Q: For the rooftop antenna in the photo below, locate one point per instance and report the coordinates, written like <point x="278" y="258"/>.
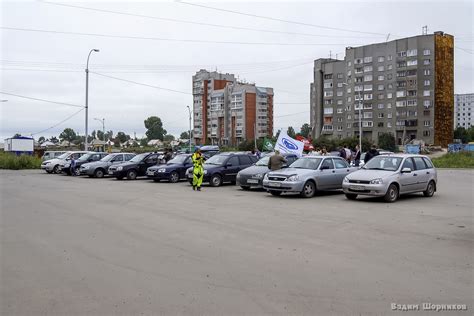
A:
<point x="424" y="30"/>
<point x="330" y="54"/>
<point x="388" y="36"/>
<point x="336" y="56"/>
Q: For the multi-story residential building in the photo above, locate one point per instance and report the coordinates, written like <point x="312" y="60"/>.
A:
<point x="227" y="112"/>
<point x="464" y="110"/>
<point x="403" y="87"/>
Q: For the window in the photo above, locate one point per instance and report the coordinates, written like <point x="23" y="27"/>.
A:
<point x="380" y="97"/>
<point x="413" y="62"/>
<point x="389" y="95"/>
<point x="368" y="59"/>
<point x="349" y="73"/>
<point x="411" y="102"/>
<point x="340" y="164"/>
<point x="389" y="57"/>
<point x="245" y="160"/>
<point x="401" y="93"/>
<point x="426" y="61"/>
<point x="408" y="163"/>
<point x="411" y="72"/>
<point x="339" y="110"/>
<point x="368" y="78"/>
<point x="349" y="99"/>
<point x="380" y="115"/>
<point x="368" y="106"/>
<point x="349" y="117"/>
<point x="328" y="93"/>
<point x="367" y="115"/>
<point x="412" y="93"/>
<point x="349" y="125"/>
<point x="359" y="79"/>
<point x="389" y="124"/>
<point x="328" y="102"/>
<point x="380" y="68"/>
<point x="340" y="76"/>
<point x="327" y="85"/>
<point x="401" y="74"/>
<point x="233" y="161"/>
<point x="426" y="93"/>
<point x="426" y="52"/>
<point x="402" y="54"/>
<point x="327" y="164"/>
<point x="368" y="87"/>
<point x="368" y="96"/>
<point x="412" y="52"/>
<point x="380" y="124"/>
<point x="427" y="103"/>
<point x="339" y="84"/>
<point x="427" y="82"/>
<point x="358" y="61"/>
<point x="380" y="78"/>
<point x="349" y="64"/>
<point x="389" y="77"/>
<point x="367" y="124"/>
<point x="389" y="115"/>
<point x="359" y="88"/>
<point x="380" y="106"/>
<point x="390" y="67"/>
<point x="419" y="163"/>
<point x="400" y="104"/>
<point x="339" y="102"/>
<point x="339" y="93"/>
<point x="381" y="59"/>
<point x="380" y="87"/>
<point x="390" y="86"/>
<point x="359" y="70"/>
<point x="349" y="90"/>
<point x="427" y="123"/>
<point x="427" y="162"/>
<point x="427" y="72"/>
<point x="327" y="76"/>
<point x="368" y="68"/>
<point x="328" y="110"/>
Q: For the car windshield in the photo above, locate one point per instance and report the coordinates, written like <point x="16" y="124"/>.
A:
<point x="108" y="158"/>
<point x="387" y="163"/>
<point x="138" y="158"/>
<point x="263" y="161"/>
<point x="84" y="157"/>
<point x="64" y="156"/>
<point x="216" y="160"/>
<point x="306" y="163"/>
<point x="178" y="159"/>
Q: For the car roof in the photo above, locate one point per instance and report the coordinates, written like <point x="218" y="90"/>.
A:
<point x="403" y="155"/>
<point x="320" y="156"/>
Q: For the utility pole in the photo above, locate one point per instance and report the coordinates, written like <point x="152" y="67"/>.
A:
<point x="189" y="110"/>
<point x="360" y="122"/>
<point x="87" y="97"/>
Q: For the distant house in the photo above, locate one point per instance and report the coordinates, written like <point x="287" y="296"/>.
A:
<point x="155" y="143"/>
<point x="20" y="145"/>
<point x="47" y="143"/>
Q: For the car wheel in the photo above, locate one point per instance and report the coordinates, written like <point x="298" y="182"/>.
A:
<point x="119" y="178"/>
<point x="99" y="173"/>
<point x="350" y="196"/>
<point x="245" y="187"/>
<point x="392" y="194"/>
<point x="174" y="177"/>
<point x="308" y="189"/>
<point x="156" y="180"/>
<point x="131" y="175"/>
<point x="216" y="180"/>
<point x="77" y="172"/>
<point x="275" y="193"/>
<point x="56" y="169"/>
<point x="430" y="189"/>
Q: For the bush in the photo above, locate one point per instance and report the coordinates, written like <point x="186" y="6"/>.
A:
<point x="14" y="162"/>
<point x="387" y="142"/>
<point x="455" y="160"/>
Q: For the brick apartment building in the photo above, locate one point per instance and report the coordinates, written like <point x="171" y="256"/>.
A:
<point x="404" y="87"/>
<point x="227" y="112"/>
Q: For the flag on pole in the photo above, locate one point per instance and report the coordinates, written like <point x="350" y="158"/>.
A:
<point x="267" y="145"/>
<point x="286" y="144"/>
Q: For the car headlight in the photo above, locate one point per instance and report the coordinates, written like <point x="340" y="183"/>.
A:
<point x="265" y="177"/>
<point x="346" y="180"/>
<point x="119" y="168"/>
<point x="162" y="170"/>
<point x="46" y="163"/>
<point x="205" y="171"/>
<point x="376" y="181"/>
<point x="258" y="176"/>
<point x="292" y="178"/>
<point x="85" y="167"/>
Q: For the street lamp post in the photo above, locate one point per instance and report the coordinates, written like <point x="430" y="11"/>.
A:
<point x="189" y="109"/>
<point x="103" y="129"/>
<point x="87" y="96"/>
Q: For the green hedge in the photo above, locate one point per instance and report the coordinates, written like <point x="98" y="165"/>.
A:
<point x="12" y="161"/>
<point x="455" y="160"/>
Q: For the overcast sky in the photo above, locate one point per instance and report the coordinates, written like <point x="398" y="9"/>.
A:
<point x="50" y="65"/>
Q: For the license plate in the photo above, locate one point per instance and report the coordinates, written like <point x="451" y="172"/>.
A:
<point x="111" y="172"/>
<point x="252" y="181"/>
<point x="357" y="187"/>
<point x="274" y="184"/>
<point x="150" y="173"/>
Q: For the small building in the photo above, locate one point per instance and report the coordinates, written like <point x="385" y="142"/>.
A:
<point x="155" y="143"/>
<point x="20" y="145"/>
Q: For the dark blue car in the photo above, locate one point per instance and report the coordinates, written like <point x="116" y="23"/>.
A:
<point x="173" y="170"/>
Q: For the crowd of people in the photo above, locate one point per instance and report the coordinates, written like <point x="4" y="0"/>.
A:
<point x="351" y="156"/>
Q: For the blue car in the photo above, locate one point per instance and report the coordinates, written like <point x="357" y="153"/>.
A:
<point x="173" y="170"/>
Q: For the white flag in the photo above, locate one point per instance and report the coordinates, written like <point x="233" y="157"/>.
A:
<point x="286" y="144"/>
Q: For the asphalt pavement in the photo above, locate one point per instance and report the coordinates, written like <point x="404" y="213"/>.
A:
<point x="81" y="246"/>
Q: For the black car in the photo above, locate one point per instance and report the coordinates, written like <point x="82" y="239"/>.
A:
<point x="135" y="167"/>
<point x="173" y="170"/>
<point x="223" y="168"/>
<point x="98" y="169"/>
<point x="88" y="157"/>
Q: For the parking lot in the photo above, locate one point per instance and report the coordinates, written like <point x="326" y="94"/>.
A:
<point x="82" y="246"/>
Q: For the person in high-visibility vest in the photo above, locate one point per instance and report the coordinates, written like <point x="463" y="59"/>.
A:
<point x="198" y="170"/>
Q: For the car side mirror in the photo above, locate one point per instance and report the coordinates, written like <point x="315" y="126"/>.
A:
<point x="228" y="164"/>
<point x="406" y="170"/>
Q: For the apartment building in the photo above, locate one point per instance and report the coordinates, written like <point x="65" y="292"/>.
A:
<point x="404" y="87"/>
<point x="464" y="110"/>
<point x="227" y="112"/>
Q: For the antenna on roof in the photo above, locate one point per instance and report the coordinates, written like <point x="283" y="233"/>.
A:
<point x="388" y="35"/>
<point x="424" y="30"/>
<point x="330" y="54"/>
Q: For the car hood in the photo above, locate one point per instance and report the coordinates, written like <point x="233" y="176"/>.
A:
<point x="367" y="175"/>
<point x="254" y="170"/>
<point x="166" y="166"/>
<point x="126" y="164"/>
<point x="96" y="164"/>
<point x="291" y="171"/>
<point x="54" y="160"/>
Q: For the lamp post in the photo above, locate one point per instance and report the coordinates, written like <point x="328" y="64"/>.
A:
<point x="87" y="96"/>
<point x="189" y="110"/>
<point x="103" y="128"/>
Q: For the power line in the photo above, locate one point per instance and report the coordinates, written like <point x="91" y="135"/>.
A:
<point x="291" y="114"/>
<point x="200" y="23"/>
<point x="66" y="119"/>
<point x="42" y="100"/>
<point x="174" y="39"/>
<point x="279" y="20"/>
<point x="139" y="83"/>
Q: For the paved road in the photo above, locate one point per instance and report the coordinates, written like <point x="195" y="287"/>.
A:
<point x="80" y="246"/>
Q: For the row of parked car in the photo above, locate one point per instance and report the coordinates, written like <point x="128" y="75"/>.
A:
<point x="387" y="175"/>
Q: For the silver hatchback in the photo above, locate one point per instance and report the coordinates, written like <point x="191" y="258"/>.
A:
<point x="391" y="176"/>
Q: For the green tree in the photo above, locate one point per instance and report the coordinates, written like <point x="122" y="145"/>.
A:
<point x="41" y="139"/>
<point x="184" y="135"/>
<point x="54" y="140"/>
<point x="462" y="134"/>
<point x="168" y="138"/>
<point x="68" y="135"/>
<point x="143" y="141"/>
<point x="93" y="134"/>
<point x="154" y="128"/>
<point x="387" y="141"/>
<point x="100" y="135"/>
<point x="121" y="138"/>
<point x="109" y="135"/>
<point x="16" y="135"/>
<point x="305" y="130"/>
<point x="291" y="132"/>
